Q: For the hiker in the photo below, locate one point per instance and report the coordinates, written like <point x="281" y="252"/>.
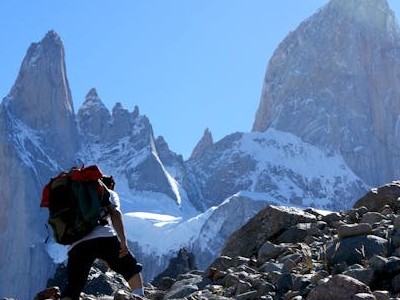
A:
<point x="106" y="242"/>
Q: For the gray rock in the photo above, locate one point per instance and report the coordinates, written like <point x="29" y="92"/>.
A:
<point x="332" y="217"/>
<point x="372" y="217"/>
<point x="396" y="238"/>
<point x="181" y="291"/>
<point x="377" y="262"/>
<point x="269" y="267"/>
<point x="392" y="266"/>
<point x="184" y="262"/>
<point x="269" y="251"/>
<point x="223" y="262"/>
<point x="396" y="283"/>
<point x="366" y="276"/>
<point x="381" y="295"/>
<point x="184" y="287"/>
<point x="338" y="287"/>
<point x="396" y="222"/>
<point x="297" y="233"/>
<point x="350" y="230"/>
<point x="230" y="280"/>
<point x="377" y="198"/>
<point x="364" y="296"/>
<point x="284" y="283"/>
<point x="354" y="250"/>
<point x="248" y="240"/>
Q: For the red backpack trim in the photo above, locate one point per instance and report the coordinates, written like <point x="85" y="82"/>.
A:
<point x="84" y="174"/>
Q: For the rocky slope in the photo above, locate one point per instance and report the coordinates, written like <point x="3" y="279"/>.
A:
<point x="334" y="82"/>
<point x="289" y="253"/>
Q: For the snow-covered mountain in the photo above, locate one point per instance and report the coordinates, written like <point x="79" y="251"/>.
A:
<point x="168" y="202"/>
<point x="276" y="164"/>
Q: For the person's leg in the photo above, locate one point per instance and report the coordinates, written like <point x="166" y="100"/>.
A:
<point x="127" y="266"/>
<point x="80" y="260"/>
<point x="136" y="284"/>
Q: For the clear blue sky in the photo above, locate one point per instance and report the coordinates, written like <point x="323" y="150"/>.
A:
<point x="188" y="65"/>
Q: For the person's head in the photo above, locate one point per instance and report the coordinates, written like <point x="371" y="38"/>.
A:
<point x="108" y="181"/>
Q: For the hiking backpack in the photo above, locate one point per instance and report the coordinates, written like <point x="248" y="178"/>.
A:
<point x="76" y="200"/>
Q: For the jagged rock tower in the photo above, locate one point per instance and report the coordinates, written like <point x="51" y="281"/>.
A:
<point x="41" y="96"/>
<point x="334" y="82"/>
<point x="38" y="134"/>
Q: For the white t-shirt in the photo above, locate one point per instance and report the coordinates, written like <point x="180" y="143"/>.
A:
<point x="102" y="230"/>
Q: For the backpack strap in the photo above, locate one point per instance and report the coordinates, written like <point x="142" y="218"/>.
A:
<point x="88" y="199"/>
<point x="104" y="194"/>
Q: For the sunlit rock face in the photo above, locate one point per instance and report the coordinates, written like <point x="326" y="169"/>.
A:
<point x="205" y="142"/>
<point x="334" y="82"/>
<point x="41" y="97"/>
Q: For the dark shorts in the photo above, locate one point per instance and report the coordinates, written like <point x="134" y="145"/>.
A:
<point x="82" y="256"/>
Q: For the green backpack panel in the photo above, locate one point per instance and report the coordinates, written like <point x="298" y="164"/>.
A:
<point x="76" y="203"/>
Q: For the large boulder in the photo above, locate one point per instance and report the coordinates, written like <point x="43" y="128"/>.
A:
<point x="377" y="198"/>
<point x="339" y="287"/>
<point x="356" y="249"/>
<point x="181" y="264"/>
<point x="267" y="224"/>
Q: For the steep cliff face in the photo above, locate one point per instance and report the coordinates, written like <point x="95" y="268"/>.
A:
<point x="41" y="96"/>
<point x="22" y="250"/>
<point x="334" y="82"/>
<point x="36" y="119"/>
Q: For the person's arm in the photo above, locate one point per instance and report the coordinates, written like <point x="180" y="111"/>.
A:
<point x="116" y="219"/>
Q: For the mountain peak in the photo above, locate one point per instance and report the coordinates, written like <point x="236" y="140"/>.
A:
<point x="93" y="117"/>
<point x="53" y="36"/>
<point x="360" y="6"/>
<point x="42" y="84"/>
<point x="92" y="94"/>
<point x="331" y="83"/>
<point x="205" y="142"/>
<point x="92" y="101"/>
<point x="41" y="97"/>
<point x="376" y="13"/>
